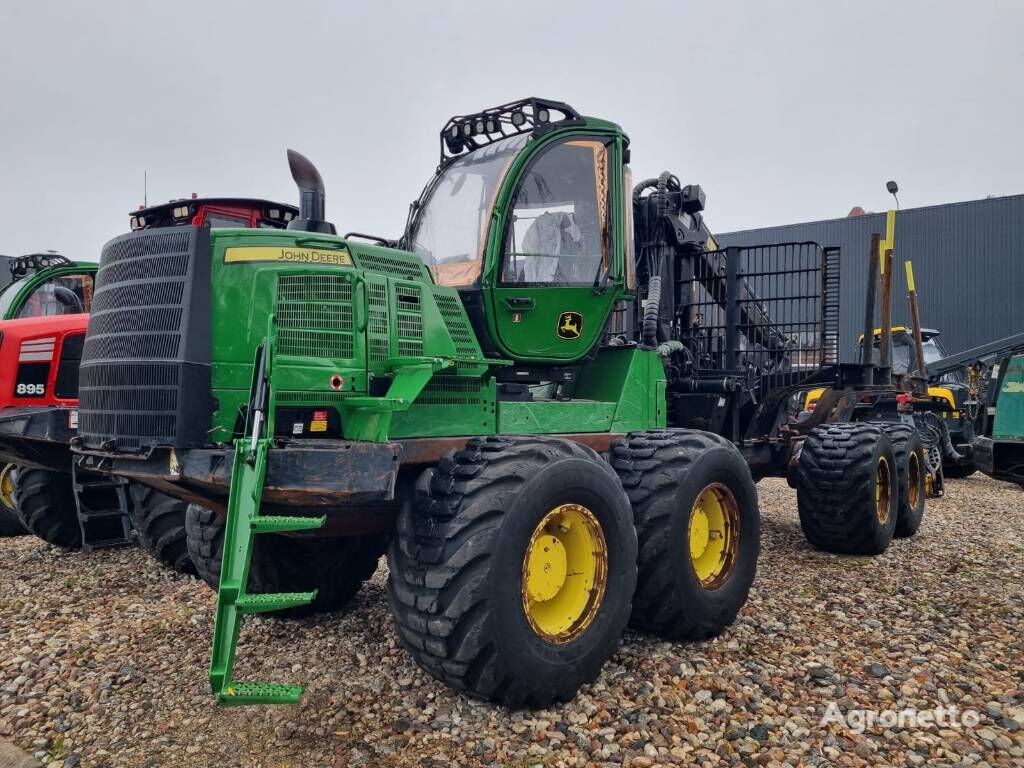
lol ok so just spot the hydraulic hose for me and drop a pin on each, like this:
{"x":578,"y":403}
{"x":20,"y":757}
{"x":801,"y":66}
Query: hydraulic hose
{"x":652,"y":311}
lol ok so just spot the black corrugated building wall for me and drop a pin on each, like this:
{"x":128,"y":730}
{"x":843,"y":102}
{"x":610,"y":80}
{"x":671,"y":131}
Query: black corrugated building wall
{"x":968,"y":266}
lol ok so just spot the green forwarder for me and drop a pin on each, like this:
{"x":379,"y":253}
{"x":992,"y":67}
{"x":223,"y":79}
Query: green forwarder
{"x":543,"y":457}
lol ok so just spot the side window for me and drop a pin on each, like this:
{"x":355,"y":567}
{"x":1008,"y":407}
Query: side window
{"x":558,"y":232}
{"x":64,"y":295}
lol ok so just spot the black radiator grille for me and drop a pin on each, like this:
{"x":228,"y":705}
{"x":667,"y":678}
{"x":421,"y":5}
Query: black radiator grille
{"x":148,"y":340}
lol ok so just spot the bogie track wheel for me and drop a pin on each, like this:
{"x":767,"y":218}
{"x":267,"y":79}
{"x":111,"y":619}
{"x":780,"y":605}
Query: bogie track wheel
{"x":911,"y":471}
{"x":695,"y":507}
{"x":847,"y":489}
{"x":511,"y":576}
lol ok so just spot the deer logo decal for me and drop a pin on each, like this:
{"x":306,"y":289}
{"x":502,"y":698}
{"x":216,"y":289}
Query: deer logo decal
{"x":570,"y":325}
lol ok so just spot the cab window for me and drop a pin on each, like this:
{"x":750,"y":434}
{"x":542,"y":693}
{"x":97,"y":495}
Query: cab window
{"x":64,"y":295}
{"x":218,"y":220}
{"x":558,"y":230}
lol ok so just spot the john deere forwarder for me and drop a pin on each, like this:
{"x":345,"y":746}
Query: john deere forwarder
{"x":548,"y":418}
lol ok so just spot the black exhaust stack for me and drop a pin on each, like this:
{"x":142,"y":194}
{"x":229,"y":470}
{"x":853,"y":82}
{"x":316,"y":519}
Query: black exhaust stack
{"x":311,"y":196}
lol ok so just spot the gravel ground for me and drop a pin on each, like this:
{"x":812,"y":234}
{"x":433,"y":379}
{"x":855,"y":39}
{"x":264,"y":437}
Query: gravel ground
{"x":103,"y":662}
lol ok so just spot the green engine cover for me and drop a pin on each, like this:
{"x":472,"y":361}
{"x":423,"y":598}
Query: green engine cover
{"x":369,"y":347}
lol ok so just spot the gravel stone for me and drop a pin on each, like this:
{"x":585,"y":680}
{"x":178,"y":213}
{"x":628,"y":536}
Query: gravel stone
{"x":103,"y":662}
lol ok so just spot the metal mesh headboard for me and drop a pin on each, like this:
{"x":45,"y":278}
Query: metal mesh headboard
{"x":771,"y":310}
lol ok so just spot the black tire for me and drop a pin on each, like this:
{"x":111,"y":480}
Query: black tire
{"x":664,"y":472}
{"x":159,"y":522}
{"x":336,"y":567}
{"x":10,"y":523}
{"x":958,"y":471}
{"x":45,"y":501}
{"x":457,"y":585}
{"x":908,"y":450}
{"x":836,"y":484}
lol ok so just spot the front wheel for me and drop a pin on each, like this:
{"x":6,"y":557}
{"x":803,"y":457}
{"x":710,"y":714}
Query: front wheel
{"x":334,"y":566}
{"x":695,"y":507}
{"x":512,"y":574}
{"x":159,"y":521}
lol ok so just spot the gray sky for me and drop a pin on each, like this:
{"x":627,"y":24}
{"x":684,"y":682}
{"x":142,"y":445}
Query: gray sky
{"x":783,"y":111}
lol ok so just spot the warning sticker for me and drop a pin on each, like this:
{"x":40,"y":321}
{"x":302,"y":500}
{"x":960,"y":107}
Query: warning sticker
{"x":287,"y":254}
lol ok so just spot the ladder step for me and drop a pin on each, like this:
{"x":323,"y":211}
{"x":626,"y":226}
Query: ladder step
{"x":99,"y":514}
{"x":273,"y":601}
{"x":92,"y":485}
{"x":259,"y":693}
{"x":106,"y":544}
{"x":280,"y":524}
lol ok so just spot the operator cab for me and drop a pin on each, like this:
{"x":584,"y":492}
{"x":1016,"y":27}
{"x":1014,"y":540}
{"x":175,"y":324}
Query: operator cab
{"x":904,"y":354}
{"x":526,"y":218}
{"x":46,"y":284}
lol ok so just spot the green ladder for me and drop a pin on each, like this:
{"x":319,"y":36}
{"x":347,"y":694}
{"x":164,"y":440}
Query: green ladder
{"x":244,"y":523}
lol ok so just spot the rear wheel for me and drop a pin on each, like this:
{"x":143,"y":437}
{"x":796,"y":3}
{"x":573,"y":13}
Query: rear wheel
{"x":336,"y":567}
{"x":847,"y":489}
{"x":512,"y":575}
{"x":911,"y":470}
{"x":159,"y":521}
{"x":695,"y":507}
{"x":10,"y":523}
{"x":45,"y":501}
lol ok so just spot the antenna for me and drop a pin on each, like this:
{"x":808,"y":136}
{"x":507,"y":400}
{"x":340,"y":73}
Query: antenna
{"x":145,"y":185}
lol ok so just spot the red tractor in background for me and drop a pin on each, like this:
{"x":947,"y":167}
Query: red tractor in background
{"x":43,"y":319}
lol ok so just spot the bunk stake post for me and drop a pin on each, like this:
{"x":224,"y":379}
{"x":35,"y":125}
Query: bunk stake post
{"x":918,"y":376}
{"x":867,"y":343}
{"x":885,"y":352}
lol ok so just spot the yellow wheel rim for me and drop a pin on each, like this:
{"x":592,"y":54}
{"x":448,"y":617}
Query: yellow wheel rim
{"x":7,"y":486}
{"x":714,"y":535}
{"x":565,"y":571}
{"x":913,"y":481}
{"x":882,"y":485}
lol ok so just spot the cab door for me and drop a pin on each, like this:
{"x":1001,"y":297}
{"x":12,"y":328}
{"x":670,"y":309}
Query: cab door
{"x":558,"y":276}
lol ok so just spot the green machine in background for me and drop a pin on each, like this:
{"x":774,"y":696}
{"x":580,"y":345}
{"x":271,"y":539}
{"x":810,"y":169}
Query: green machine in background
{"x":547,"y":402}
{"x":1000,"y":453}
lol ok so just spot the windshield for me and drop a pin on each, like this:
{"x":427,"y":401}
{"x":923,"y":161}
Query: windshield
{"x":904,"y":357}
{"x":7,"y":297}
{"x":450,"y":229}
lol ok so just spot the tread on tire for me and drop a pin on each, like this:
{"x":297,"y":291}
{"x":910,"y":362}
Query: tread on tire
{"x":663,"y":472}
{"x":907,"y":447}
{"x":159,"y":522}
{"x":45,"y":501}
{"x":836,"y":477}
{"x":457,"y":572}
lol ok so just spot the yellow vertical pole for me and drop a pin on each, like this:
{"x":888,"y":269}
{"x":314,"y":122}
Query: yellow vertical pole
{"x":885,"y":263}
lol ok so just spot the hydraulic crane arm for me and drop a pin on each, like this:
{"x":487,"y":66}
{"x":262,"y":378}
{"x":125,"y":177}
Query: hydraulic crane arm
{"x":983,"y":353}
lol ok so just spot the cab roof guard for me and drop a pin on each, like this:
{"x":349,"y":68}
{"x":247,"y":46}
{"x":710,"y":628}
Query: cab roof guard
{"x":464,"y":133}
{"x":34,"y":262}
